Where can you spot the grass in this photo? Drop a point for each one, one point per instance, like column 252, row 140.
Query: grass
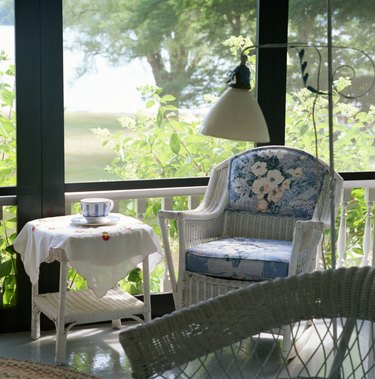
column 85, row 157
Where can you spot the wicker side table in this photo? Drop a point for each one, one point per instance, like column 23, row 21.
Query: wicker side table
column 102, row 254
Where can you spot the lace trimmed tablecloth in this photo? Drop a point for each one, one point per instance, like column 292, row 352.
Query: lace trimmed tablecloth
column 101, row 254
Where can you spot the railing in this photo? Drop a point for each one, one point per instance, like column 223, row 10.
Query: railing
column 140, row 197
column 368, row 245
column 194, row 195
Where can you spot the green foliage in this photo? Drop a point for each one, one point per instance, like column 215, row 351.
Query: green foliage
column 356, row 219
column 355, row 227
column 354, row 136
column 7, row 123
column 75, row 281
column 354, row 139
column 163, row 142
column 133, row 282
column 8, row 282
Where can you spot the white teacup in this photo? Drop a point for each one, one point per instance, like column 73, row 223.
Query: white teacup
column 96, row 207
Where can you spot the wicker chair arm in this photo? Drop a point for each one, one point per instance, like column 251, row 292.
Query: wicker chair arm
column 307, row 235
column 196, row 214
column 193, row 227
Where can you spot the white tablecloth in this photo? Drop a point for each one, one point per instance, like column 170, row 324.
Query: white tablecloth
column 102, row 254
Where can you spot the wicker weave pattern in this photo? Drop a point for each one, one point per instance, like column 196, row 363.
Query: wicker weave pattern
column 84, row 306
column 245, row 224
column 224, row 324
column 17, row 369
column 198, row 287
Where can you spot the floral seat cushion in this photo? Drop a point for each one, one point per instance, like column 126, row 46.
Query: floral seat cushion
column 279, row 181
column 241, row 258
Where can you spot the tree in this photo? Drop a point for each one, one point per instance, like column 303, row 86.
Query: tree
column 351, row 21
column 181, row 40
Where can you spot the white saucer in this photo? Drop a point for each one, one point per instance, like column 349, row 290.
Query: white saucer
column 95, row 221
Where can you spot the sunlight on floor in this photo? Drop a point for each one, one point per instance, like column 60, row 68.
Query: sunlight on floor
column 92, row 349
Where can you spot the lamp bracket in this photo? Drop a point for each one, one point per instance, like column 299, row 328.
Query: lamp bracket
column 239, row 76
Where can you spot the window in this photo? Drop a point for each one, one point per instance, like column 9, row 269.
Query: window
column 354, row 115
column 139, row 76
column 8, row 225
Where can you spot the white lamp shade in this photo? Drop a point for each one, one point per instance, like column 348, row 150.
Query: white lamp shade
column 237, row 116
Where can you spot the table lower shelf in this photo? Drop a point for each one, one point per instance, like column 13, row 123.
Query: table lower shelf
column 84, row 307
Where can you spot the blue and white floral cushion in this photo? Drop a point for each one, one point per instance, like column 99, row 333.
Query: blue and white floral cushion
column 241, row 258
column 277, row 181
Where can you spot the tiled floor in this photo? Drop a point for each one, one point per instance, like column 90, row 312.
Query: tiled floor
column 94, row 350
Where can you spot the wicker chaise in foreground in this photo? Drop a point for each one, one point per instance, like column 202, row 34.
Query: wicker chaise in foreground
column 331, row 314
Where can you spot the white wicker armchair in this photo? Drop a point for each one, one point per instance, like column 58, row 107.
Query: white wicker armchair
column 262, row 217
column 331, row 314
